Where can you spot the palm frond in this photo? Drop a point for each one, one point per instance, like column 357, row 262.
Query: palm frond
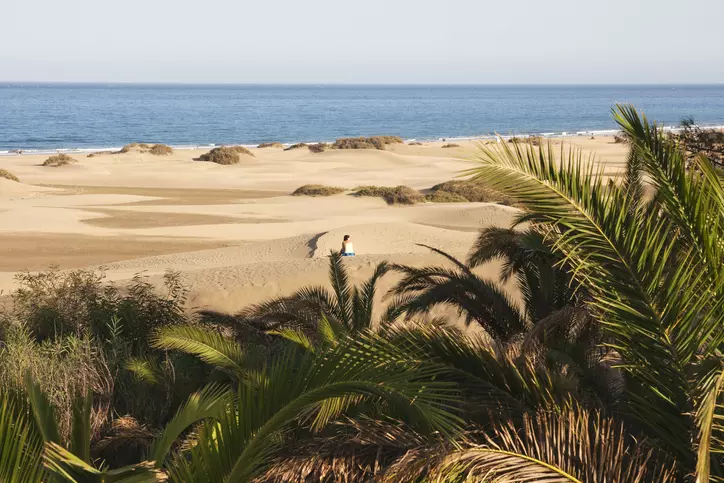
column 341, row 287
column 68, row 467
column 208, row 345
column 573, row 446
column 20, row 445
column 43, row 411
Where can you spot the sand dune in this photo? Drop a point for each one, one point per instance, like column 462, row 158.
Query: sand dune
column 234, row 232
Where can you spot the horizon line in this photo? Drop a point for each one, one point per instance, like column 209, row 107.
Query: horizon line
column 363, row 84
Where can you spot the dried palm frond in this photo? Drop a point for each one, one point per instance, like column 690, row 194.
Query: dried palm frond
column 571, row 446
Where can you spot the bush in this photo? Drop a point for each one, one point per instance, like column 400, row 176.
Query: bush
column 64, row 369
column 160, row 150
column 466, row 190
column 225, row 155
column 374, row 142
column 319, row 147
column 270, row 145
column 59, row 160
column 450, row 145
column 399, row 195
column 317, row 190
column 414, row 143
column 296, row 146
column 55, row 304
column 8, row 175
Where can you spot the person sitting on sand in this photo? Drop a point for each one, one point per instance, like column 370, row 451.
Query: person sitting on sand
column 347, row 247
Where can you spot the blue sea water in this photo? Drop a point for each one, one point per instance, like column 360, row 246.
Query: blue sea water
column 91, row 116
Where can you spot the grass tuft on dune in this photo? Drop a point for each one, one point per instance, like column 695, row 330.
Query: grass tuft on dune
column 4, row 173
column 296, row 146
column 374, row 142
column 398, row 195
column 317, row 190
column 59, row 160
column 155, row 149
column 466, row 190
column 225, row 155
column 270, row 145
column 450, row 145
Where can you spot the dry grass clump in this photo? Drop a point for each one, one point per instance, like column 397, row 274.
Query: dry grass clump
column 414, row 143
column 155, row 149
column 317, row 190
column 374, row 142
column 160, row 150
column 59, row 160
column 398, row 195
column 450, row 145
column 445, row 197
column 319, row 147
column 270, row 145
column 4, row 173
column 466, row 190
column 139, row 146
column 222, row 155
column 296, row 146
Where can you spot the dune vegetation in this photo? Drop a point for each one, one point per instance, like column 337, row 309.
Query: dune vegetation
column 317, row 190
column 374, row 142
column 58, row 160
column 609, row 368
column 450, row 145
column 466, row 190
column 296, row 146
column 270, row 145
column 155, row 149
column 393, row 195
column 4, row 173
column 225, row 155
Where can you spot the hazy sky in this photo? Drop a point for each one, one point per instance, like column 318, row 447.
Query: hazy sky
column 369, row 41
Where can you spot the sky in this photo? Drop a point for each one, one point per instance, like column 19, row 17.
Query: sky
column 359, row 42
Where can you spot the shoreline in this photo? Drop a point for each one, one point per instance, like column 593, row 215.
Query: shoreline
column 482, row 137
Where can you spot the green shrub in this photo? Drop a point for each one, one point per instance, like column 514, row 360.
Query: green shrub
column 466, row 190
column 398, row 195
column 8, row 175
column 55, row 304
column 270, row 145
column 450, row 145
column 59, row 160
column 319, row 147
column 374, row 142
column 317, row 190
column 223, row 155
column 296, row 146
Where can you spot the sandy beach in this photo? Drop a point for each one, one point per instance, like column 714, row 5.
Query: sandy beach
column 234, row 232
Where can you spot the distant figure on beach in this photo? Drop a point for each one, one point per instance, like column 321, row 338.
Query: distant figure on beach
column 347, row 247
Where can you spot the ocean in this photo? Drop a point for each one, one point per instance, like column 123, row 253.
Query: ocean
column 48, row 117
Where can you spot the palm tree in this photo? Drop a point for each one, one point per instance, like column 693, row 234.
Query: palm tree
column 349, row 309
column 544, row 284
column 652, row 272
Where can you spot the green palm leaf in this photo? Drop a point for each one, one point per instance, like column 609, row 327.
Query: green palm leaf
column 208, row 345
column 20, row 445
